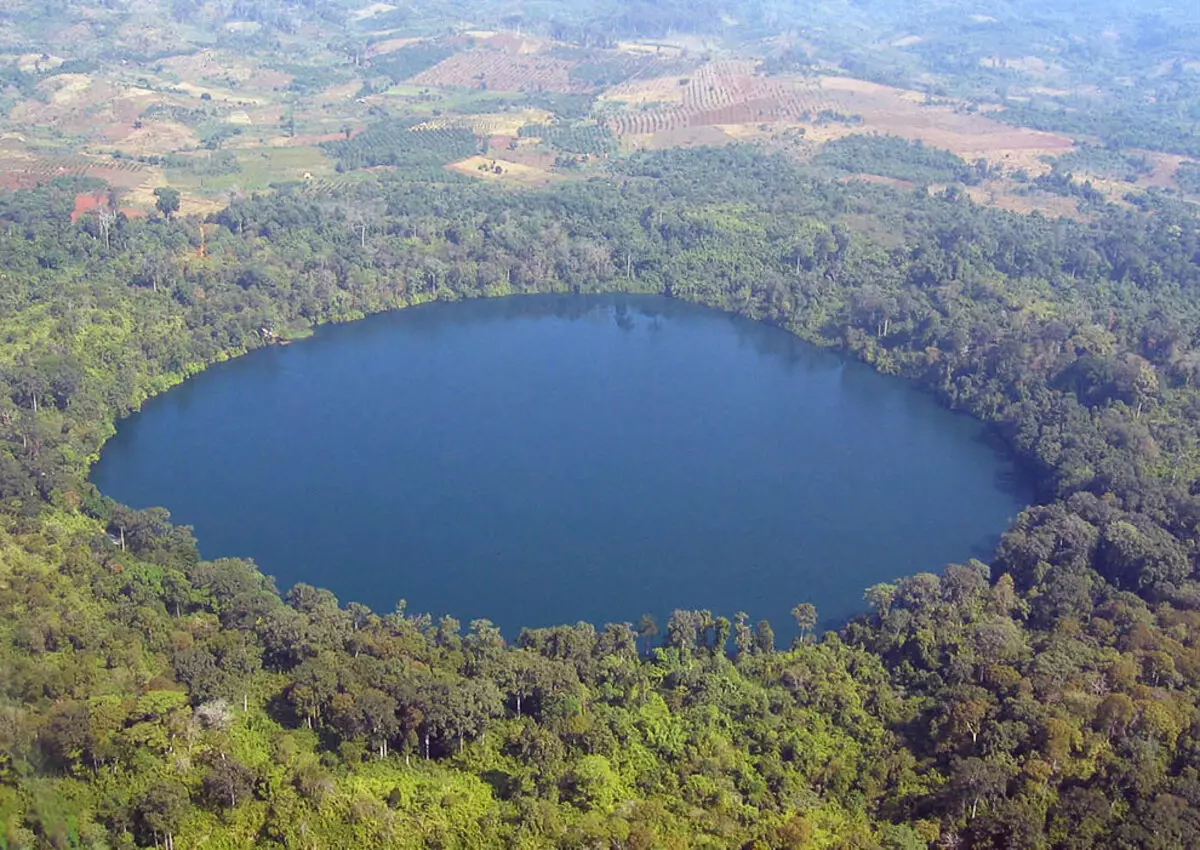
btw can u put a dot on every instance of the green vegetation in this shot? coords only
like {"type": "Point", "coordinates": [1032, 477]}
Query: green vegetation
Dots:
{"type": "Point", "coordinates": [1049, 699]}
{"type": "Point", "coordinates": [889, 156]}
{"type": "Point", "coordinates": [407, 62]}
{"type": "Point", "coordinates": [578, 137]}
{"type": "Point", "coordinates": [402, 143]}
{"type": "Point", "coordinates": [213, 164]}
{"type": "Point", "coordinates": [1188, 177]}
{"type": "Point", "coordinates": [166, 201]}
{"type": "Point", "coordinates": [1137, 124]}
{"type": "Point", "coordinates": [565, 106]}
{"type": "Point", "coordinates": [1103, 162]}
{"type": "Point", "coordinates": [308, 79]}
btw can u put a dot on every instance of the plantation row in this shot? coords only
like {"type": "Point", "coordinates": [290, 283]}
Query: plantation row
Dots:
{"type": "Point", "coordinates": [720, 84]}
{"type": "Point", "coordinates": [125, 165]}
{"type": "Point", "coordinates": [400, 143]}
{"type": "Point", "coordinates": [24, 174]}
{"type": "Point", "coordinates": [579, 138]}
{"type": "Point", "coordinates": [793, 107]}
{"type": "Point", "coordinates": [480, 125]}
{"type": "Point", "coordinates": [614, 69]}
{"type": "Point", "coordinates": [325, 188]}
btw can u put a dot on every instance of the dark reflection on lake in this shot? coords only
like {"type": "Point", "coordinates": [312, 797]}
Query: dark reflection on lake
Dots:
{"type": "Point", "coordinates": [553, 459]}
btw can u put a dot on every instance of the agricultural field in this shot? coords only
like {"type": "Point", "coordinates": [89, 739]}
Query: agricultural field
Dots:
{"type": "Point", "coordinates": [403, 144]}
{"type": "Point", "coordinates": [488, 124]}
{"type": "Point", "coordinates": [733, 96]}
{"type": "Point", "coordinates": [19, 170]}
{"type": "Point", "coordinates": [587, 138]}
{"type": "Point", "coordinates": [254, 105]}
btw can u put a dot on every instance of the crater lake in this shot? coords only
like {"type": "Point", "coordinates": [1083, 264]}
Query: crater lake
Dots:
{"type": "Point", "coordinates": [550, 459]}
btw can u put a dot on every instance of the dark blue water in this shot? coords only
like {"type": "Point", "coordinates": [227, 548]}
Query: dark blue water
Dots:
{"type": "Point", "coordinates": [547, 460]}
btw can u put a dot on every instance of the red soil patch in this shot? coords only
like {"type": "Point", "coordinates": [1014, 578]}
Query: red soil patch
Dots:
{"type": "Point", "coordinates": [88, 203]}
{"type": "Point", "coordinates": [85, 204]}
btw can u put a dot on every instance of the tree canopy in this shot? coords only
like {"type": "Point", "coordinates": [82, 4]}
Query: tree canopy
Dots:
{"type": "Point", "coordinates": [1047, 699]}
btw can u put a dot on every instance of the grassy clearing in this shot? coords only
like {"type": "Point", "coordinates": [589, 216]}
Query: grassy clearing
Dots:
{"type": "Point", "coordinates": [259, 168]}
{"type": "Point", "coordinates": [502, 171]}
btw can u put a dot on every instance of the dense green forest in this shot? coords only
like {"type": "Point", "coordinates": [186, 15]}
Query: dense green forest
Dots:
{"type": "Point", "coordinates": [889, 156]}
{"type": "Point", "coordinates": [1049, 699]}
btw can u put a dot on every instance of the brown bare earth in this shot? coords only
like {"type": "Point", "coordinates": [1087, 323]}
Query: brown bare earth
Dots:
{"type": "Point", "coordinates": [722, 92]}
{"type": "Point", "coordinates": [21, 169]}
{"type": "Point", "coordinates": [153, 138]}
{"type": "Point", "coordinates": [501, 70]}
{"type": "Point", "coordinates": [215, 68]}
{"type": "Point", "coordinates": [1165, 167]}
{"type": "Point", "coordinates": [970, 135]}
{"type": "Point", "coordinates": [645, 48]}
{"type": "Point", "coordinates": [527, 152]}
{"type": "Point", "coordinates": [656, 90]}
{"type": "Point", "coordinates": [670, 97]}
{"type": "Point", "coordinates": [390, 45]}
{"type": "Point", "coordinates": [679, 137]}
{"type": "Point", "coordinates": [517, 43]}
{"type": "Point", "coordinates": [1005, 194]}
{"type": "Point", "coordinates": [485, 168]}
{"type": "Point", "coordinates": [733, 96]}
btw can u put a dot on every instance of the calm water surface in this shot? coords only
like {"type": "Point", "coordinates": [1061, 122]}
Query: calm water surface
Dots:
{"type": "Point", "coordinates": [553, 459]}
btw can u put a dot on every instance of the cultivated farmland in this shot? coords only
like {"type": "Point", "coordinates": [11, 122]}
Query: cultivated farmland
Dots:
{"type": "Point", "coordinates": [733, 94]}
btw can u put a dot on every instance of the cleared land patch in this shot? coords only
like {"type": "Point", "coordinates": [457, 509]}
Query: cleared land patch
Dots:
{"type": "Point", "coordinates": [501, 70]}
{"type": "Point", "coordinates": [490, 123]}
{"type": "Point", "coordinates": [492, 168]}
{"type": "Point", "coordinates": [390, 45]}
{"type": "Point", "coordinates": [732, 94]}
